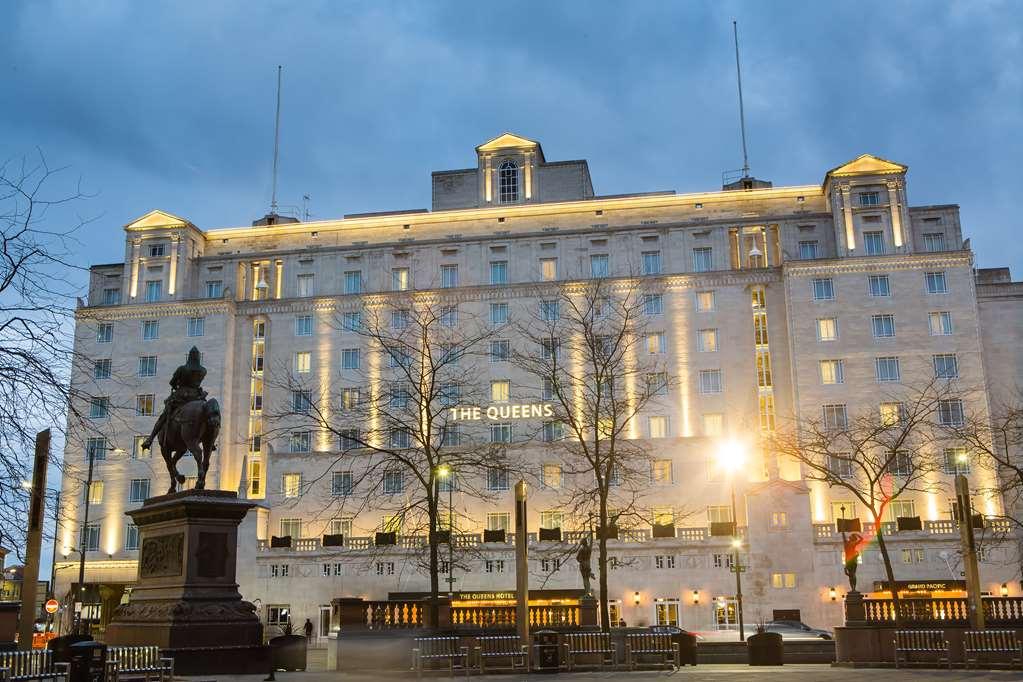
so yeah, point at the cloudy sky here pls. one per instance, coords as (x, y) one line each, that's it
(170, 105)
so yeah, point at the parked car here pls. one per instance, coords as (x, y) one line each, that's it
(794, 629)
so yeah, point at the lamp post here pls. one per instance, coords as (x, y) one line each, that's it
(83, 542)
(444, 471)
(731, 458)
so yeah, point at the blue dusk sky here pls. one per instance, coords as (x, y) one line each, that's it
(171, 105)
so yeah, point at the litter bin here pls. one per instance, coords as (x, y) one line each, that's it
(548, 658)
(88, 662)
(686, 642)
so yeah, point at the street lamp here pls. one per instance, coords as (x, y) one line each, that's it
(444, 472)
(731, 459)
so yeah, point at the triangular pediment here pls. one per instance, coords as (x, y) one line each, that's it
(868, 164)
(505, 140)
(157, 218)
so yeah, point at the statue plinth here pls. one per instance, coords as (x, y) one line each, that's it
(186, 599)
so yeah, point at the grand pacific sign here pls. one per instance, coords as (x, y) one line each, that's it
(501, 412)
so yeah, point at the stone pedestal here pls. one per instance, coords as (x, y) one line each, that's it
(588, 611)
(855, 609)
(186, 600)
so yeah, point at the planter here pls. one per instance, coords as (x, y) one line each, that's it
(765, 648)
(288, 652)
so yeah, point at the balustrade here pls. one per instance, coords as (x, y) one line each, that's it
(823, 531)
(381, 615)
(939, 611)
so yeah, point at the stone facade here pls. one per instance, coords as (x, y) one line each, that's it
(246, 292)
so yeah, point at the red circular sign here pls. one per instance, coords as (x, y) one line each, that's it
(52, 605)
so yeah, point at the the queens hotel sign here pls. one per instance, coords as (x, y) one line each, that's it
(501, 412)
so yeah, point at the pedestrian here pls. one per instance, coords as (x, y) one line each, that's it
(308, 629)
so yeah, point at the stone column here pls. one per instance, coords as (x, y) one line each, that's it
(847, 221)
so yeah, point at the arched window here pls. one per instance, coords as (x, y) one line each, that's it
(508, 182)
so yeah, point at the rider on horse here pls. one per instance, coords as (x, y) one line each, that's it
(186, 386)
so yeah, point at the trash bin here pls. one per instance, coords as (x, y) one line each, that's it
(88, 662)
(548, 658)
(61, 646)
(686, 642)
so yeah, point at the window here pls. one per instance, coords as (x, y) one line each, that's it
(710, 381)
(94, 492)
(869, 198)
(350, 322)
(934, 241)
(499, 272)
(940, 323)
(147, 366)
(883, 326)
(887, 369)
(304, 325)
(599, 266)
(400, 279)
(449, 276)
(658, 426)
(449, 435)
(99, 407)
(547, 389)
(550, 565)
(449, 316)
(945, 366)
(400, 438)
(550, 476)
(910, 556)
(549, 311)
(662, 561)
(703, 259)
(291, 486)
(497, 479)
(835, 417)
(90, 537)
(549, 349)
(878, 285)
(111, 296)
(873, 243)
(350, 439)
(350, 358)
(196, 326)
(303, 362)
(450, 394)
(508, 182)
(832, 372)
(892, 414)
(498, 313)
(704, 301)
(341, 483)
(400, 319)
(138, 490)
(950, 412)
(553, 518)
(957, 461)
(101, 369)
(713, 424)
(150, 330)
(901, 508)
(156, 250)
(655, 343)
(779, 520)
(827, 328)
(707, 340)
(291, 527)
(154, 291)
(500, 433)
(131, 537)
(719, 514)
(301, 441)
(493, 565)
(661, 471)
(385, 568)
(823, 289)
(808, 250)
(353, 282)
(350, 398)
(651, 262)
(653, 304)
(840, 466)
(783, 581)
(500, 390)
(137, 451)
(498, 521)
(305, 285)
(341, 526)
(105, 333)
(214, 288)
(936, 283)
(901, 464)
(553, 431)
(144, 405)
(548, 269)
(843, 509)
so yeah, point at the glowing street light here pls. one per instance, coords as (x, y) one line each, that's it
(443, 471)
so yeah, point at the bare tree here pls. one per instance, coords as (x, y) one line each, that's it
(391, 415)
(586, 350)
(38, 284)
(875, 455)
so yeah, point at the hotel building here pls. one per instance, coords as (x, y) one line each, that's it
(775, 303)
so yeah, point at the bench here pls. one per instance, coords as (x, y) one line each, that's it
(650, 644)
(508, 647)
(31, 665)
(979, 643)
(909, 642)
(429, 649)
(589, 644)
(138, 663)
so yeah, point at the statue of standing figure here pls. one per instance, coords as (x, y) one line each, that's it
(585, 567)
(851, 556)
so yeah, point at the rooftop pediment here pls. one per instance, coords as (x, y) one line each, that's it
(868, 164)
(155, 219)
(506, 140)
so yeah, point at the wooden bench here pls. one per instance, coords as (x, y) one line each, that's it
(980, 643)
(493, 647)
(909, 642)
(651, 644)
(138, 663)
(442, 649)
(31, 665)
(589, 644)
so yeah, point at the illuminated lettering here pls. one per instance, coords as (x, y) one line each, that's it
(495, 412)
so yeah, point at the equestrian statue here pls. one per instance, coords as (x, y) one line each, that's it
(189, 423)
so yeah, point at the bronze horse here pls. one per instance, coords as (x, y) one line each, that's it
(193, 428)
